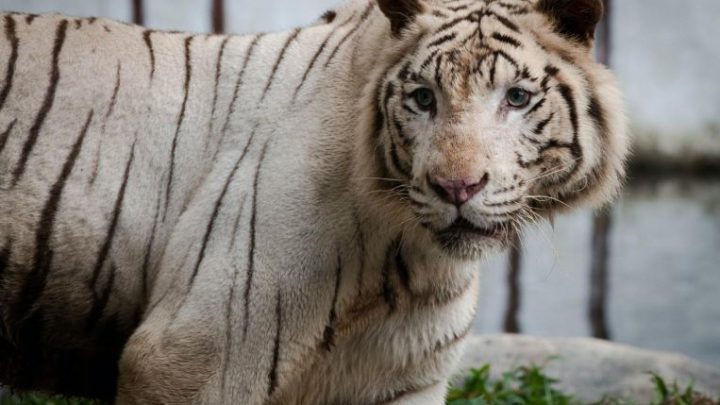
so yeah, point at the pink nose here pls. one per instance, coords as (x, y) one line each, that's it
(458, 192)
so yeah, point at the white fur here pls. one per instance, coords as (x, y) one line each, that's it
(318, 212)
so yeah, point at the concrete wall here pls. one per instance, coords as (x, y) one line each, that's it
(667, 56)
(242, 16)
(118, 9)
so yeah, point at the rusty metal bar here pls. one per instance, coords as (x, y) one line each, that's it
(138, 12)
(218, 16)
(604, 37)
(599, 275)
(602, 221)
(511, 323)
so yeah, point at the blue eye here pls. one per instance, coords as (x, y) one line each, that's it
(425, 98)
(518, 98)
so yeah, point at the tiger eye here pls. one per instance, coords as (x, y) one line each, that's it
(425, 98)
(518, 97)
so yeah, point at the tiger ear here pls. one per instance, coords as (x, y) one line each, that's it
(401, 12)
(574, 19)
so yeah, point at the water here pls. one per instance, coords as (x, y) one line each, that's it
(664, 272)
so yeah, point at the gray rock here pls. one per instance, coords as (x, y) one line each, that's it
(588, 368)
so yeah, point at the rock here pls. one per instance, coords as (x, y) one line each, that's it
(590, 369)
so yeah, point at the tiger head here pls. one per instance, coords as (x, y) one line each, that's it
(489, 114)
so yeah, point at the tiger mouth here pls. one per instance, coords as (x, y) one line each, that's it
(462, 228)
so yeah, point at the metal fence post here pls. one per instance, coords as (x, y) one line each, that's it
(138, 14)
(511, 323)
(218, 16)
(602, 221)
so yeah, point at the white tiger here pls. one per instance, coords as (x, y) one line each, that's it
(290, 218)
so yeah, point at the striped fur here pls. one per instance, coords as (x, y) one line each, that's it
(250, 219)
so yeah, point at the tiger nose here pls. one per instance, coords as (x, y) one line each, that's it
(458, 191)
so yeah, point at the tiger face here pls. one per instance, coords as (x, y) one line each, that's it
(497, 116)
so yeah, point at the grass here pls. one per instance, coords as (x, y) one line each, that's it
(531, 386)
(523, 386)
(34, 399)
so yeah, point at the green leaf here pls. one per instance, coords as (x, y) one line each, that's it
(661, 388)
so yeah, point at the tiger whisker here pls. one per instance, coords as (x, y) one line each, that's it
(544, 198)
(380, 178)
(552, 171)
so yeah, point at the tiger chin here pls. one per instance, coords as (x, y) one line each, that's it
(288, 218)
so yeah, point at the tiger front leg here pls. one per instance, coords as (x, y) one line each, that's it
(434, 395)
(157, 368)
(190, 357)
